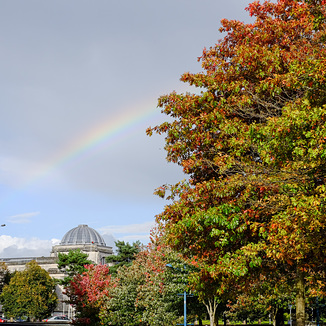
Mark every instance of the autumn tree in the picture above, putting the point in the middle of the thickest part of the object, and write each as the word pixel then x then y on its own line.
pixel 30 293
pixel 143 293
pixel 72 263
pixel 125 255
pixel 252 142
pixel 88 292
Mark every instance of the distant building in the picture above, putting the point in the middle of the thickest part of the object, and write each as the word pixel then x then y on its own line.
pixel 81 237
pixel 87 240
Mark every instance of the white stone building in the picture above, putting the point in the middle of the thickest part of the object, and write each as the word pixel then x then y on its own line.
pixel 81 237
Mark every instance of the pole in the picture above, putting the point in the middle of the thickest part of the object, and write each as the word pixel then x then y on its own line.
pixel 317 312
pixel 185 308
pixel 290 307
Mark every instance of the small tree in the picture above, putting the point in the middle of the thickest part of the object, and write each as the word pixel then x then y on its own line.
pixel 30 293
pixel 208 291
pixel 125 255
pixel 87 292
pixel 72 264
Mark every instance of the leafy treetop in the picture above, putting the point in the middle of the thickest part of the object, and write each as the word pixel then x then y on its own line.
pixel 253 143
pixel 29 293
pixel 72 264
pixel 125 255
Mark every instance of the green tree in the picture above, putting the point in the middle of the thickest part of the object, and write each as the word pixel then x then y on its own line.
pixel 5 275
pixel 72 264
pixel 209 293
pixel 29 293
pixel 125 255
pixel 253 144
pixel 147 290
pixel 268 297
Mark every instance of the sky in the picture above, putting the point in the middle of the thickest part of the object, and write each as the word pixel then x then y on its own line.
pixel 79 86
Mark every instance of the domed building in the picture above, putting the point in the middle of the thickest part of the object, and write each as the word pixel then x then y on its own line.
pixel 81 237
pixel 87 240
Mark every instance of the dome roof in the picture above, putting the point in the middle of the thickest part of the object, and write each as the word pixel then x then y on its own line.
pixel 82 234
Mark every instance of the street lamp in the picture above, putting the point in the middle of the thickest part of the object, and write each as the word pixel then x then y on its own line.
pixel 317 312
pixel 184 299
pixel 290 308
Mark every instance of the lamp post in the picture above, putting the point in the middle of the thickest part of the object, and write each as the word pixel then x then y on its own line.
pixel 184 299
pixel 185 308
pixel 290 308
pixel 317 312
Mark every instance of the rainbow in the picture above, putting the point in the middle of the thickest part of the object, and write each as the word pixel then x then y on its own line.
pixel 103 135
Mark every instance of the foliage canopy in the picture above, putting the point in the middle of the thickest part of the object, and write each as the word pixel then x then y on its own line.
pixel 125 255
pixel 87 292
pixel 29 293
pixel 253 143
pixel 72 263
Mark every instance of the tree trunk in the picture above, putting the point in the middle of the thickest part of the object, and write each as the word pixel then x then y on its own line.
pixel 211 306
pixel 300 300
pixel 274 313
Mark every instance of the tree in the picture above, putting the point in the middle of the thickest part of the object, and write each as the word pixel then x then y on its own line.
pixel 87 292
pixel 5 275
pixel 159 285
pixel 253 144
pixel 29 293
pixel 122 308
pixel 72 264
pixel 267 295
pixel 146 293
pixel 125 255
pixel 143 293
pixel 209 292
